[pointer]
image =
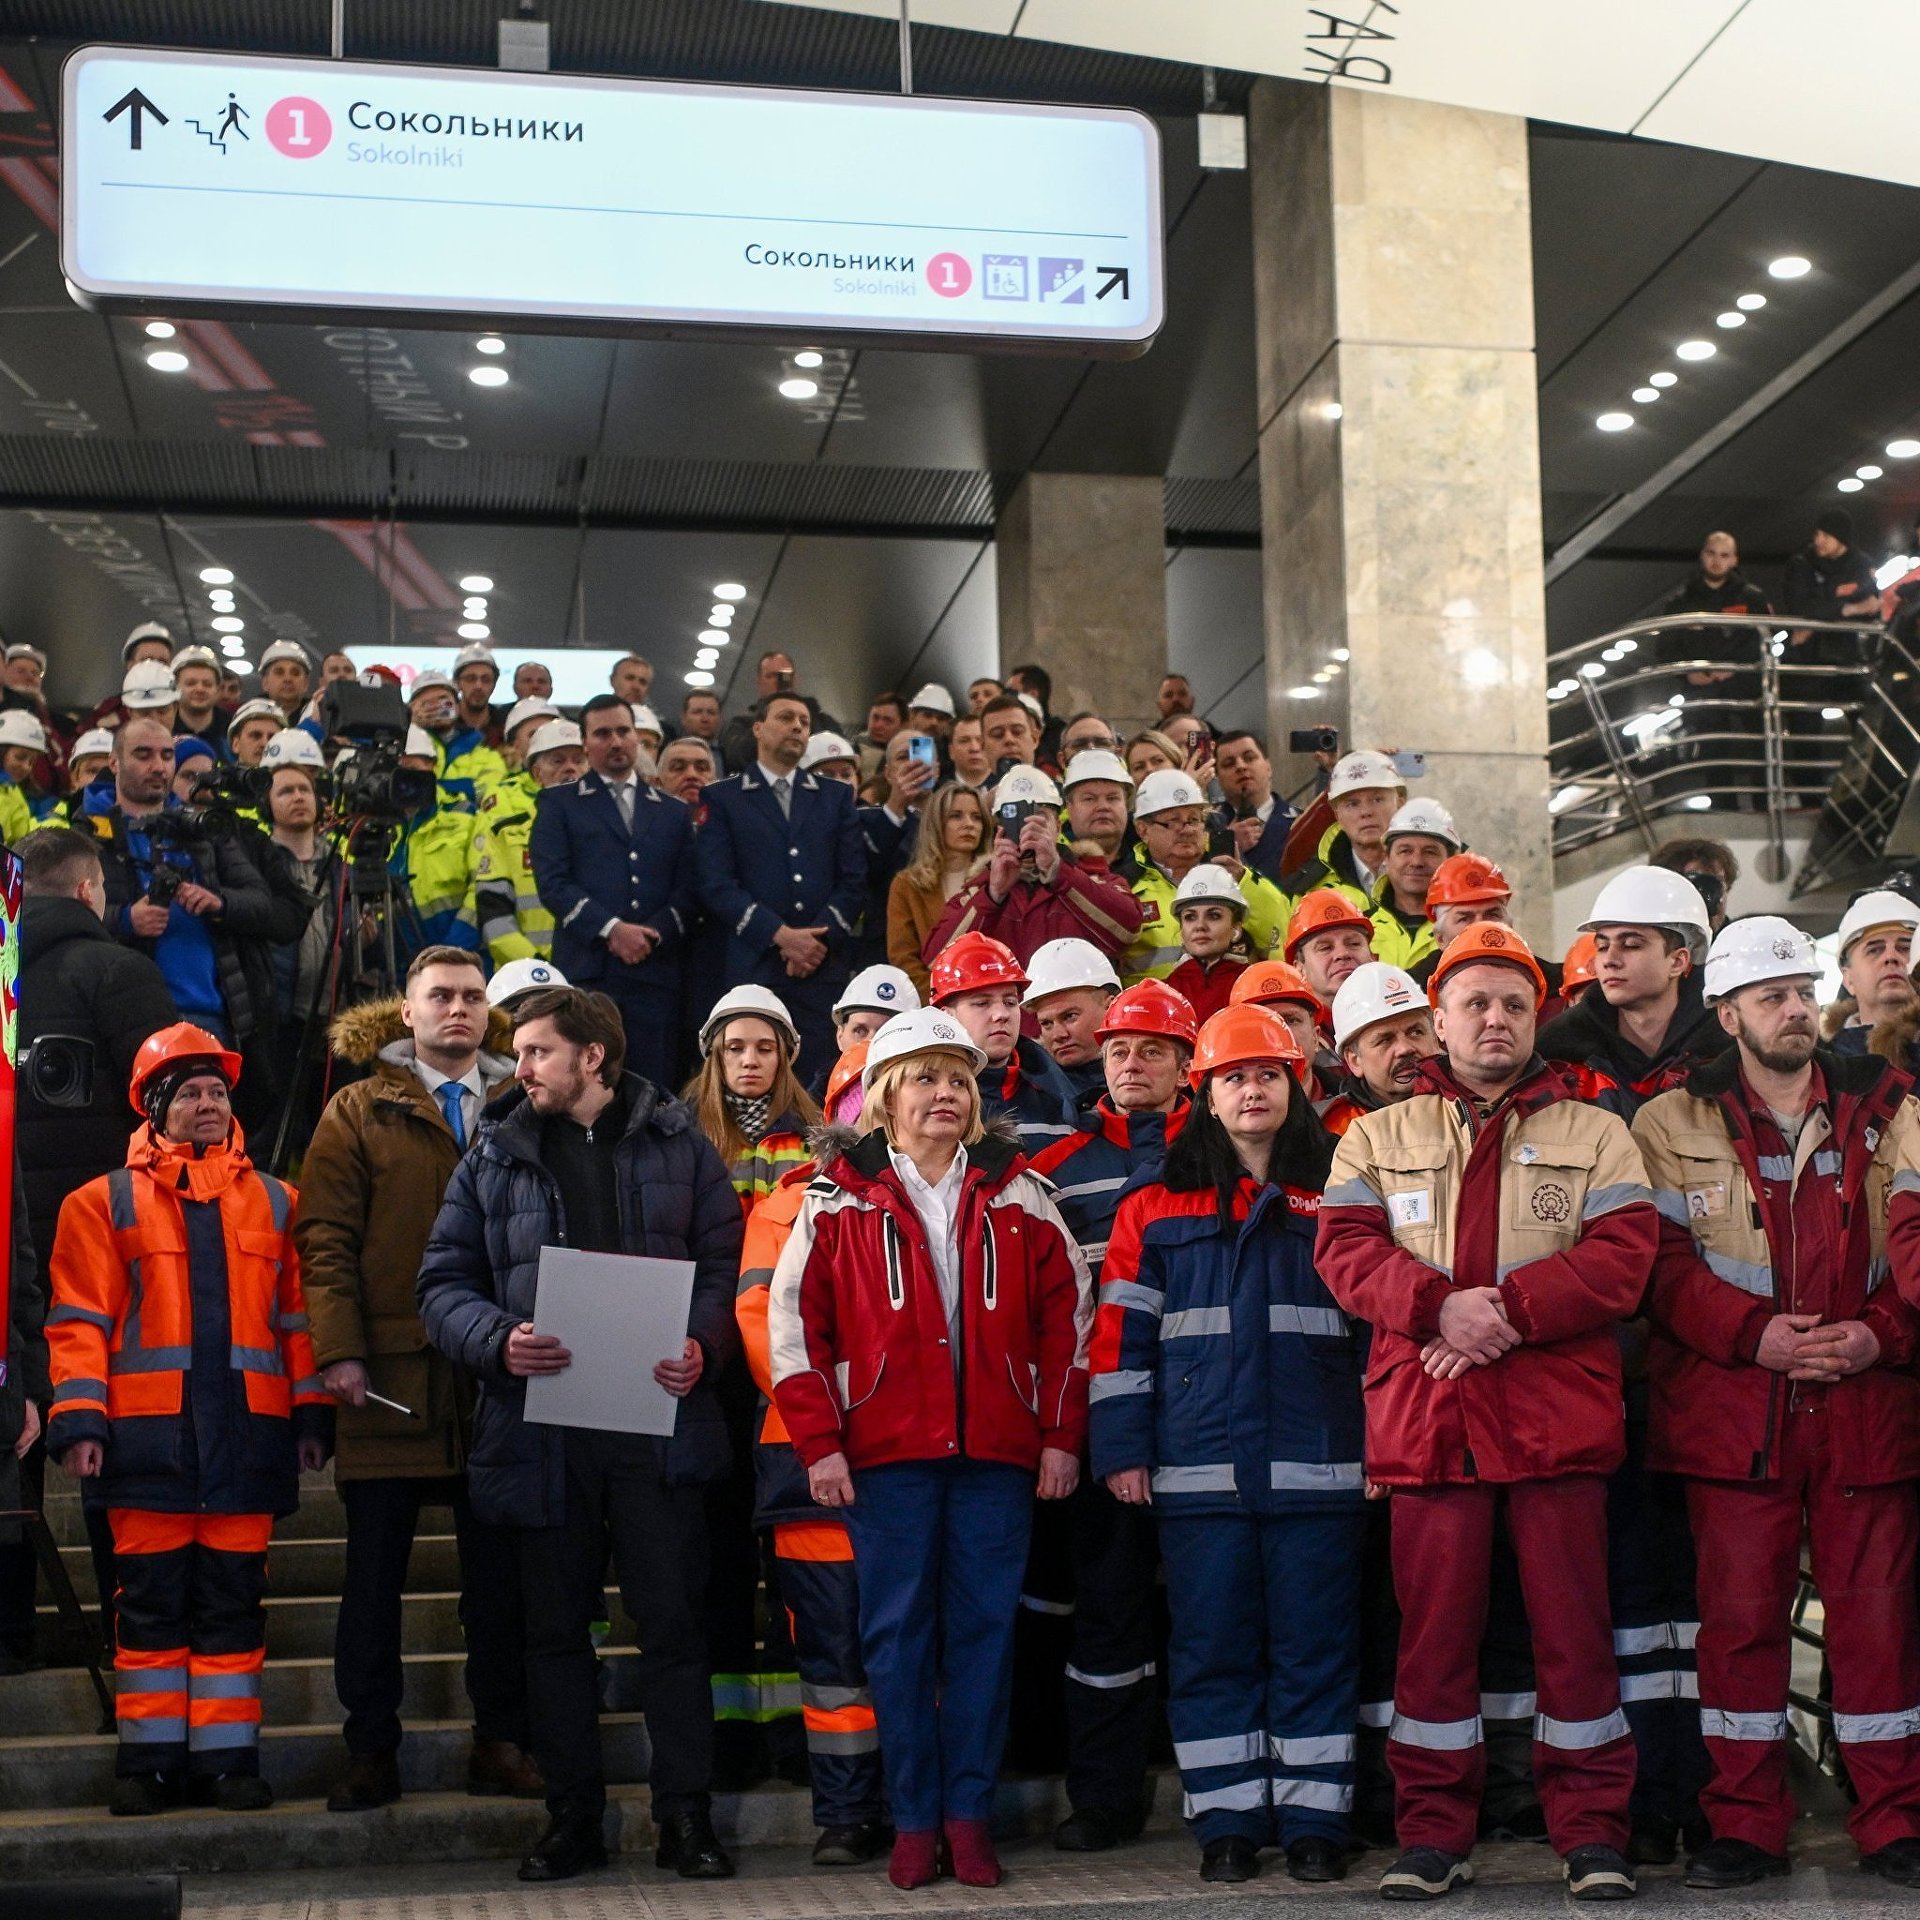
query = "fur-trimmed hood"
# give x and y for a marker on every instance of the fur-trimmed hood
(1897, 1038)
(358, 1034)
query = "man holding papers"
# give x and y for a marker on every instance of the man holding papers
(596, 1160)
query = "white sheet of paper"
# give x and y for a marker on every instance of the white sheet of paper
(619, 1315)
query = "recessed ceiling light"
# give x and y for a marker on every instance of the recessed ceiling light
(1611, 655)
(1663, 379)
(490, 343)
(705, 657)
(1677, 700)
(720, 614)
(1614, 422)
(1851, 485)
(239, 663)
(1695, 350)
(1556, 693)
(1626, 646)
(1902, 449)
(473, 630)
(810, 359)
(799, 389)
(473, 583)
(232, 643)
(699, 677)
(167, 360)
(229, 623)
(1593, 670)
(729, 590)
(220, 600)
(712, 637)
(217, 576)
(1729, 319)
(1869, 471)
(474, 608)
(1342, 653)
(1751, 302)
(1790, 266)
(160, 329)
(1323, 676)
(1833, 713)
(1646, 394)
(1699, 802)
(487, 376)
(1303, 693)
(1333, 410)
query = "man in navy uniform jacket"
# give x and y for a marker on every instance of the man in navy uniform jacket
(783, 869)
(613, 860)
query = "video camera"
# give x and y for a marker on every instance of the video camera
(373, 785)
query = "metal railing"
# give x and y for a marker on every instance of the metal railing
(1703, 710)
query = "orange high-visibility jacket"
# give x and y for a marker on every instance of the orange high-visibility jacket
(120, 1333)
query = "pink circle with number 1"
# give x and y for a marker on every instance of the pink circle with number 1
(299, 127)
(949, 275)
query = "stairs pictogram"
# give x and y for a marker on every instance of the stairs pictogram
(212, 140)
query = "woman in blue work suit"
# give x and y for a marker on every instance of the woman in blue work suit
(1226, 1391)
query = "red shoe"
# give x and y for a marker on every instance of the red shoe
(914, 1859)
(975, 1864)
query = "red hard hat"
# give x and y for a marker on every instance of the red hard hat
(174, 1047)
(1487, 940)
(1150, 1007)
(1238, 1034)
(1319, 910)
(1267, 981)
(1578, 970)
(1466, 880)
(846, 1073)
(971, 962)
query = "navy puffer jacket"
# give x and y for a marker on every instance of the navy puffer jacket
(482, 1264)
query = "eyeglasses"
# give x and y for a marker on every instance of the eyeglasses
(1098, 741)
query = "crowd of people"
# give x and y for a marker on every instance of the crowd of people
(1187, 1256)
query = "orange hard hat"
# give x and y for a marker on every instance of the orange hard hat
(179, 1046)
(1266, 981)
(846, 1073)
(1466, 880)
(1578, 970)
(1323, 908)
(1150, 1007)
(1235, 1035)
(973, 961)
(1487, 940)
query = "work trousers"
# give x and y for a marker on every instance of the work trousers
(1112, 1694)
(1263, 1660)
(1037, 1739)
(939, 1547)
(1583, 1760)
(614, 1490)
(1862, 1541)
(192, 1638)
(368, 1675)
(821, 1594)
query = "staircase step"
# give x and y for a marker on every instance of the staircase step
(311, 1566)
(75, 1770)
(319, 1512)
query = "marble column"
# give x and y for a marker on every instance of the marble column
(1399, 450)
(1080, 559)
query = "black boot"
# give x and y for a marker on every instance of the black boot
(137, 1794)
(371, 1780)
(1229, 1861)
(690, 1847)
(1732, 1863)
(572, 1844)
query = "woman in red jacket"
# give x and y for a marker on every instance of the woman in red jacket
(927, 1323)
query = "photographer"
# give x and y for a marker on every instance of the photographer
(187, 898)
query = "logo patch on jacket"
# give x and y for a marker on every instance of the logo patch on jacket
(1552, 1203)
(1298, 1202)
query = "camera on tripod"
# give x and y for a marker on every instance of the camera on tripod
(373, 785)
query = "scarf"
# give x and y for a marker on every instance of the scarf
(754, 1118)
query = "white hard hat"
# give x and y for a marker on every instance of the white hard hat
(932, 698)
(1033, 707)
(524, 710)
(822, 747)
(148, 684)
(762, 1003)
(522, 976)
(1761, 947)
(1058, 966)
(1164, 789)
(195, 657)
(25, 650)
(293, 747)
(1428, 817)
(1025, 786)
(1881, 908)
(1653, 897)
(476, 655)
(880, 989)
(556, 733)
(1095, 763)
(146, 630)
(94, 740)
(426, 682)
(420, 745)
(645, 720)
(1361, 770)
(1208, 885)
(19, 728)
(258, 708)
(1373, 992)
(285, 650)
(925, 1030)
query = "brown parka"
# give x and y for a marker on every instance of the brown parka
(370, 1187)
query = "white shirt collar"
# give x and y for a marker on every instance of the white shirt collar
(944, 1188)
(433, 1079)
(771, 774)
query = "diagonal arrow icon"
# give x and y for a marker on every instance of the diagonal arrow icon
(133, 103)
(1116, 277)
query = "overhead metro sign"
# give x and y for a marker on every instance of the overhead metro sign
(193, 180)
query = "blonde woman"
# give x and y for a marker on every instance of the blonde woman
(1150, 750)
(950, 850)
(927, 1325)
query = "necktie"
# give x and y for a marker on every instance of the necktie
(783, 792)
(623, 799)
(450, 1094)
